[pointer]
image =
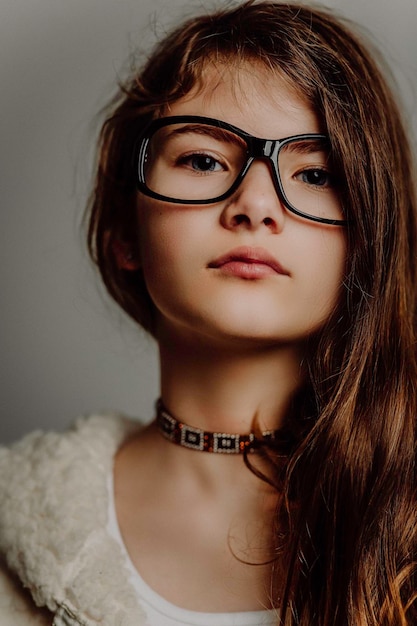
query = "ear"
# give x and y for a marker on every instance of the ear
(126, 259)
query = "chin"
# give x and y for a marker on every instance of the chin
(248, 334)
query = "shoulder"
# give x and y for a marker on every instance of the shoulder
(16, 607)
(92, 434)
(41, 460)
(40, 474)
(43, 474)
(54, 494)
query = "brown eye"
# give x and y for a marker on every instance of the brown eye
(201, 163)
(316, 177)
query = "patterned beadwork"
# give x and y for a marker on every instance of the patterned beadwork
(206, 441)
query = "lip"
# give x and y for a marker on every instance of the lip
(248, 262)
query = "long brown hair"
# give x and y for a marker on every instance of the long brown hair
(349, 488)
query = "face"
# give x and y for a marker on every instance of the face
(245, 269)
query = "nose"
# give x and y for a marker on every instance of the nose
(255, 203)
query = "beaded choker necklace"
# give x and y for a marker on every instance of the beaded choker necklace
(197, 439)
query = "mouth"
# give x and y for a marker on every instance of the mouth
(247, 262)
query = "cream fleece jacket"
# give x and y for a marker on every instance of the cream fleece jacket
(53, 537)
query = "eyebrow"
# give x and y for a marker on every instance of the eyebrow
(300, 146)
(308, 146)
(210, 131)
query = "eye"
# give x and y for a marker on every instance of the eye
(201, 163)
(316, 177)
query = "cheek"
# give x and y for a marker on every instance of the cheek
(170, 250)
(156, 254)
(325, 265)
(162, 240)
(154, 229)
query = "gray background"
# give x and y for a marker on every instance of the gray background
(65, 349)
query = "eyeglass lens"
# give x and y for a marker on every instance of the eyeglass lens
(201, 162)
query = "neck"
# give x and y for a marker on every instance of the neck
(228, 390)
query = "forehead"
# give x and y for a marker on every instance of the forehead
(252, 97)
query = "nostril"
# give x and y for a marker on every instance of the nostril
(241, 218)
(267, 221)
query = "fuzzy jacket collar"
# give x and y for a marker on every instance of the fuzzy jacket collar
(54, 503)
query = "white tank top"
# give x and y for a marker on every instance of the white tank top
(160, 612)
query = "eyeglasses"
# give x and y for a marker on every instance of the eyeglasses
(198, 160)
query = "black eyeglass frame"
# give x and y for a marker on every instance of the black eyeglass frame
(257, 148)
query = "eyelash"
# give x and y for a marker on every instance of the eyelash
(186, 159)
(322, 171)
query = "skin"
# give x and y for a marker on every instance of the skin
(231, 350)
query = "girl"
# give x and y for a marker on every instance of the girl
(254, 210)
